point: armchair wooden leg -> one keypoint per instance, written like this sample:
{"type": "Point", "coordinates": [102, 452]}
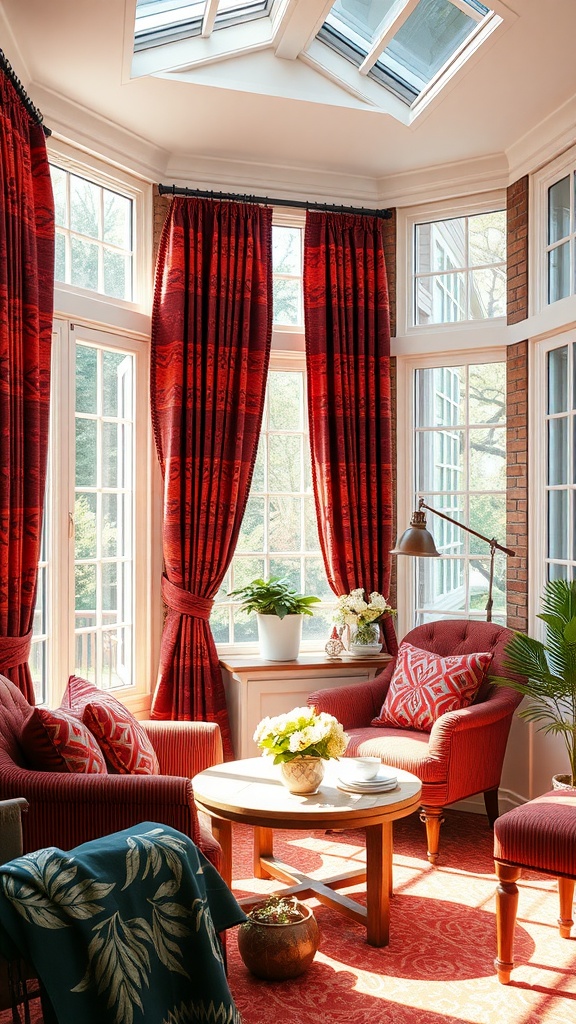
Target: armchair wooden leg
{"type": "Point", "coordinates": [491, 804]}
{"type": "Point", "coordinates": [506, 909]}
{"type": "Point", "coordinates": [432, 818]}
{"type": "Point", "coordinates": [566, 894]}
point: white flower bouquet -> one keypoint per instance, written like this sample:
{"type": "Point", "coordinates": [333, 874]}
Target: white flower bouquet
{"type": "Point", "coordinates": [303, 732]}
{"type": "Point", "coordinates": [360, 613]}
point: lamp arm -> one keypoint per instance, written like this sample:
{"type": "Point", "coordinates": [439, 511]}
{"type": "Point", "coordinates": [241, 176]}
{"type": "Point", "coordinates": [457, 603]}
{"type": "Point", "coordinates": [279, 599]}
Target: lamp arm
{"type": "Point", "coordinates": [493, 543]}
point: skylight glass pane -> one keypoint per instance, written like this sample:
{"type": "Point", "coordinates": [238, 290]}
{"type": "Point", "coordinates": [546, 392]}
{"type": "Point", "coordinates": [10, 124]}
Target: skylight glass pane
{"type": "Point", "coordinates": [360, 21]}
{"type": "Point", "coordinates": [427, 40]}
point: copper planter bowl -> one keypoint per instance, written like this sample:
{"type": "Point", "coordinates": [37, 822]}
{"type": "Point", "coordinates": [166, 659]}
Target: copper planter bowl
{"type": "Point", "coordinates": [277, 952]}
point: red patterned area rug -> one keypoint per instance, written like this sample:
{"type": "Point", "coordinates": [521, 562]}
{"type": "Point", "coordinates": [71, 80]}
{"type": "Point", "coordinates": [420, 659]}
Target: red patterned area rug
{"type": "Point", "coordinates": [438, 968]}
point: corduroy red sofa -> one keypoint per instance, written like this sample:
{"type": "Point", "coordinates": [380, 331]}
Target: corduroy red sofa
{"type": "Point", "coordinates": [69, 808]}
{"type": "Point", "coordinates": [463, 752]}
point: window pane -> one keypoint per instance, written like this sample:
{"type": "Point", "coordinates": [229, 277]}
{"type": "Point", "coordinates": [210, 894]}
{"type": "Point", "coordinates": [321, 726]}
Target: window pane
{"type": "Point", "coordinates": [441, 245]}
{"type": "Point", "coordinates": [487, 293]}
{"type": "Point", "coordinates": [287, 250]}
{"type": "Point", "coordinates": [251, 537]}
{"type": "Point", "coordinates": [559, 272]}
{"type": "Point", "coordinates": [86, 447]}
{"type": "Point", "coordinates": [558, 451]}
{"type": "Point", "coordinates": [60, 257]}
{"type": "Point", "coordinates": [287, 302]}
{"type": "Point", "coordinates": [487, 238]}
{"type": "Point", "coordinates": [117, 219]}
{"type": "Point", "coordinates": [116, 271]}
{"type": "Point", "coordinates": [285, 401]}
{"type": "Point", "coordinates": [488, 459]}
{"type": "Point", "coordinates": [86, 399]}
{"type": "Point", "coordinates": [285, 532]}
{"type": "Point", "coordinates": [428, 38]}
{"type": "Point", "coordinates": [559, 210]}
{"type": "Point", "coordinates": [59, 179]}
{"type": "Point", "coordinates": [487, 516]}
{"type": "Point", "coordinates": [285, 462]}
{"type": "Point", "coordinates": [558, 380]}
{"type": "Point", "coordinates": [84, 207]}
{"type": "Point", "coordinates": [558, 524]}
{"type": "Point", "coordinates": [84, 271]}
{"type": "Point", "coordinates": [487, 393]}
{"type": "Point", "coordinates": [362, 18]}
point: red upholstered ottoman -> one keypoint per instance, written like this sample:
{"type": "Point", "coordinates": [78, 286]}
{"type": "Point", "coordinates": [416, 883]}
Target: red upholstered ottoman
{"type": "Point", "coordinates": [540, 836]}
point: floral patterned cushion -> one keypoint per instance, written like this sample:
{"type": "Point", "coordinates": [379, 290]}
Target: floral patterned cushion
{"type": "Point", "coordinates": [54, 741]}
{"type": "Point", "coordinates": [425, 686]}
{"type": "Point", "coordinates": [123, 740]}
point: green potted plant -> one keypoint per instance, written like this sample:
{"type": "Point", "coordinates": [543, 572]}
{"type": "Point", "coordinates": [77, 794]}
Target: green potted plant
{"type": "Point", "coordinates": [279, 609]}
{"type": "Point", "coordinates": [550, 670]}
{"type": "Point", "coordinates": [279, 939]}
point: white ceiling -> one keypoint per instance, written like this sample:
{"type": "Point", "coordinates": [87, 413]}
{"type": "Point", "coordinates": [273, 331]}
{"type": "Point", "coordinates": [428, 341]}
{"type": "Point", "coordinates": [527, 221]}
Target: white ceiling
{"type": "Point", "coordinates": [517, 94]}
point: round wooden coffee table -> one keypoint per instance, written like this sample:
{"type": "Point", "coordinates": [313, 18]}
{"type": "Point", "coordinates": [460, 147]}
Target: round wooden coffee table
{"type": "Point", "coordinates": [250, 791]}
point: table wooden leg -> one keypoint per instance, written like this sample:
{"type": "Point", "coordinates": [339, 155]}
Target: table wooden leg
{"type": "Point", "coordinates": [378, 883]}
{"type": "Point", "coordinates": [222, 831]}
{"type": "Point", "coordinates": [263, 847]}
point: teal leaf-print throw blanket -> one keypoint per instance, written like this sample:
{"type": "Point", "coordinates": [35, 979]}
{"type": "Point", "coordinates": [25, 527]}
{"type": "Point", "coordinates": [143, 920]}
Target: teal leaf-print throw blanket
{"type": "Point", "coordinates": [123, 929]}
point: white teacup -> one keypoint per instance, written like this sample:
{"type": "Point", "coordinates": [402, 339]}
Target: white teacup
{"type": "Point", "coordinates": [362, 768]}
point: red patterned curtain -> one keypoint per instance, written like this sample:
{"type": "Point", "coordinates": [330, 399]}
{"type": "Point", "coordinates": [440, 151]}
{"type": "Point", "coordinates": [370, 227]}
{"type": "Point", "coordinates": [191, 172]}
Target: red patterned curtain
{"type": "Point", "coordinates": [26, 304]}
{"type": "Point", "coordinates": [348, 370]}
{"type": "Point", "coordinates": [211, 335]}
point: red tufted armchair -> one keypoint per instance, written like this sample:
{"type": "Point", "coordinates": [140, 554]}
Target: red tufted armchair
{"type": "Point", "coordinates": [464, 752]}
{"type": "Point", "coordinates": [66, 810]}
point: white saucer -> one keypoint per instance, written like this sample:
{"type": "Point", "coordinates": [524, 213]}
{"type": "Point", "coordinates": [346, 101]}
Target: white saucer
{"type": "Point", "coordinates": [382, 781]}
{"type": "Point", "coordinates": [363, 787]}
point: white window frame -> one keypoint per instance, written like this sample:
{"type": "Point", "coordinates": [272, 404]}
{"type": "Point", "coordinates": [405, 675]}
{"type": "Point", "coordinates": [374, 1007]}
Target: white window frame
{"type": "Point", "coordinates": [110, 321]}
{"type": "Point", "coordinates": [61, 660]}
{"type": "Point", "coordinates": [537, 466]}
{"type": "Point", "coordinates": [406, 475]}
{"type": "Point", "coordinates": [541, 181]}
{"type": "Point", "coordinates": [482, 332]}
{"type": "Point", "coordinates": [140, 192]}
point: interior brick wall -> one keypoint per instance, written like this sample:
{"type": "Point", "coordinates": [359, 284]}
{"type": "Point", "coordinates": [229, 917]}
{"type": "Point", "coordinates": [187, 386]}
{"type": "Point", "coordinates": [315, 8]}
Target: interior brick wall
{"type": "Point", "coordinates": [517, 249]}
{"type": "Point", "coordinates": [517, 484]}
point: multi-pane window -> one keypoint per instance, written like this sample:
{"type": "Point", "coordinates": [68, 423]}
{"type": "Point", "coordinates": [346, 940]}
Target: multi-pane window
{"type": "Point", "coordinates": [104, 515]}
{"type": "Point", "coordinates": [460, 469]}
{"type": "Point", "coordinates": [287, 275]}
{"type": "Point", "coordinates": [560, 483]}
{"type": "Point", "coordinates": [94, 235]}
{"type": "Point", "coordinates": [460, 269]}
{"type": "Point", "coordinates": [561, 238]}
{"type": "Point", "coordinates": [279, 535]}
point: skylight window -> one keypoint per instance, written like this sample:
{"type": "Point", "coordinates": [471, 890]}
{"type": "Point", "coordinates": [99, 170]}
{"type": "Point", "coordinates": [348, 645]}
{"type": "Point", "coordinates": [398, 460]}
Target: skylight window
{"type": "Point", "coordinates": [389, 55]}
{"type": "Point", "coordinates": [161, 21]}
{"type": "Point", "coordinates": [404, 44]}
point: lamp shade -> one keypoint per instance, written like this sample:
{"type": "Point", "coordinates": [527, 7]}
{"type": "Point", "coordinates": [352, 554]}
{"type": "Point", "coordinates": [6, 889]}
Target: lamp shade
{"type": "Point", "coordinates": [416, 540]}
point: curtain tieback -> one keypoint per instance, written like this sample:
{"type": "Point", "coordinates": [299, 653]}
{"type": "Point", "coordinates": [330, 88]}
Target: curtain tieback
{"type": "Point", "coordinates": [182, 601]}
{"type": "Point", "coordinates": [15, 650]}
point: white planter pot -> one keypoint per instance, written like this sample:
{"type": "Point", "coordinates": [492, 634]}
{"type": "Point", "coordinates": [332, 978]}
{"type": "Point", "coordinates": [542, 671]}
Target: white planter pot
{"type": "Point", "coordinates": [279, 638]}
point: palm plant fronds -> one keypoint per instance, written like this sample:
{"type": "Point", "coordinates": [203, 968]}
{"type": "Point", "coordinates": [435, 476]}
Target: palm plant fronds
{"type": "Point", "coordinates": [545, 673]}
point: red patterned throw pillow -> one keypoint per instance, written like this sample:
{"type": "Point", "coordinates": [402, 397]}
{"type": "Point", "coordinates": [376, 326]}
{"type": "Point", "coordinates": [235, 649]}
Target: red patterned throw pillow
{"type": "Point", "coordinates": [425, 686]}
{"type": "Point", "coordinates": [122, 739]}
{"type": "Point", "coordinates": [54, 741]}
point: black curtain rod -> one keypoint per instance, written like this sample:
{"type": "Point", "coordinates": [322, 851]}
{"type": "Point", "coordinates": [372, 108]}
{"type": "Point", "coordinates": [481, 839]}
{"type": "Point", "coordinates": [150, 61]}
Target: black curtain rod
{"type": "Point", "coordinates": [35, 114]}
{"type": "Point", "coordinates": [177, 190]}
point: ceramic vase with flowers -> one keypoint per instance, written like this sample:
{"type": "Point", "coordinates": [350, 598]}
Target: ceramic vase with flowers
{"type": "Point", "coordinates": [360, 615]}
{"type": "Point", "coordinates": [300, 741]}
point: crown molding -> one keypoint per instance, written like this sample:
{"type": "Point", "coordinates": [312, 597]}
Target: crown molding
{"type": "Point", "coordinates": [545, 141]}
{"type": "Point", "coordinates": [283, 182]}
{"type": "Point", "coordinates": [99, 136]}
{"type": "Point", "coordinates": [444, 181]}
